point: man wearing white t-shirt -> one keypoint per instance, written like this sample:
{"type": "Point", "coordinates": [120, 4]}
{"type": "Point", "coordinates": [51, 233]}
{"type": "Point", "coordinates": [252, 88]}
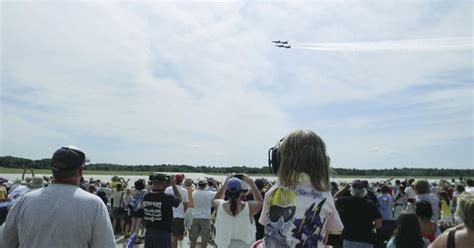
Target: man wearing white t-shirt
{"type": "Point", "coordinates": [179, 212]}
{"type": "Point", "coordinates": [410, 197]}
{"type": "Point", "coordinates": [202, 212]}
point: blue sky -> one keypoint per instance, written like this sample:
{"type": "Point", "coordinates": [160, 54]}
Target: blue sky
{"type": "Point", "coordinates": [201, 83]}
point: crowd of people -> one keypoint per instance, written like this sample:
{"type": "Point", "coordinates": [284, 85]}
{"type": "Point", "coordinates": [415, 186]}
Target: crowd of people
{"type": "Point", "coordinates": [302, 208]}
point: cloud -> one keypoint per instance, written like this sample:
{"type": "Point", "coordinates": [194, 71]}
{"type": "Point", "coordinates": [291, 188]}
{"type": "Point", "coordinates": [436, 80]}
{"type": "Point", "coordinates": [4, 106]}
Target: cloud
{"type": "Point", "coordinates": [201, 83]}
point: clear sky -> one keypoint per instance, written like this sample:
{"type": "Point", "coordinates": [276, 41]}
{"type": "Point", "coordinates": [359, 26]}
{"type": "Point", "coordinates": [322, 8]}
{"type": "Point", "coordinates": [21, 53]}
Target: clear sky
{"type": "Point", "coordinates": [202, 84]}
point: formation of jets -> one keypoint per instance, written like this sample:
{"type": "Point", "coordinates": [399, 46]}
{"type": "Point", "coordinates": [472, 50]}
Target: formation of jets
{"type": "Point", "coordinates": [281, 44]}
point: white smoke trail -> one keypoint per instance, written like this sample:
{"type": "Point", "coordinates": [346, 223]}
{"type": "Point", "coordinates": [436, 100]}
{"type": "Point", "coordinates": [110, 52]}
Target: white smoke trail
{"type": "Point", "coordinates": [458, 43]}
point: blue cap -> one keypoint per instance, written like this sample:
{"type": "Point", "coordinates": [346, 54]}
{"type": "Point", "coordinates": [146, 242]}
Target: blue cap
{"type": "Point", "coordinates": [234, 185]}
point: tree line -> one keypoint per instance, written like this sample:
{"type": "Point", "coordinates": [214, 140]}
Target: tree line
{"type": "Point", "coordinates": [15, 162]}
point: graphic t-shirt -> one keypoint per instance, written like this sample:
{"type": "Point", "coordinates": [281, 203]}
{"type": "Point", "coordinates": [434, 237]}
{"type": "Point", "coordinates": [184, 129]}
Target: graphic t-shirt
{"type": "Point", "coordinates": [158, 210]}
{"type": "Point", "coordinates": [178, 212]}
{"type": "Point", "coordinates": [299, 217]}
{"type": "Point", "coordinates": [384, 205]}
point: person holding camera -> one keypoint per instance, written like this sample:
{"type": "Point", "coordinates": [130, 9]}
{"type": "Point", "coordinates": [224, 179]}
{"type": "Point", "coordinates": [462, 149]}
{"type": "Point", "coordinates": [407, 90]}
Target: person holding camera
{"type": "Point", "coordinates": [235, 225]}
{"type": "Point", "coordinates": [158, 211]}
{"type": "Point", "coordinates": [179, 212]}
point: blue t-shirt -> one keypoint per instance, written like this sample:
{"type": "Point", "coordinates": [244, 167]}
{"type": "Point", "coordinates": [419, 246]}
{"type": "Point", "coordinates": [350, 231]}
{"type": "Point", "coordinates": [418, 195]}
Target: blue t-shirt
{"type": "Point", "coordinates": [384, 205]}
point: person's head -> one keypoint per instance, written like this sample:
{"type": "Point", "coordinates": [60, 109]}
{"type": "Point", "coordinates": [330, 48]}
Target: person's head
{"type": "Point", "coordinates": [302, 151]}
{"type": "Point", "coordinates": [410, 181]}
{"type": "Point", "coordinates": [139, 184]}
{"type": "Point", "coordinates": [466, 210]}
{"type": "Point", "coordinates": [202, 183]}
{"type": "Point", "coordinates": [385, 189]}
{"type": "Point", "coordinates": [397, 182]}
{"type": "Point", "coordinates": [92, 188]}
{"type": "Point", "coordinates": [423, 210]}
{"type": "Point", "coordinates": [67, 165]}
{"type": "Point", "coordinates": [358, 189]}
{"type": "Point", "coordinates": [179, 178]}
{"type": "Point", "coordinates": [408, 232]}
{"type": "Point", "coordinates": [159, 182]}
{"type": "Point", "coordinates": [233, 191]}
{"type": "Point", "coordinates": [421, 187]}
{"type": "Point", "coordinates": [118, 186]}
{"type": "Point", "coordinates": [460, 188]}
{"type": "Point", "coordinates": [188, 182]}
{"type": "Point", "coordinates": [470, 182]}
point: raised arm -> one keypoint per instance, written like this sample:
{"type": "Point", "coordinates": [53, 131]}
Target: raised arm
{"type": "Point", "coordinates": [221, 192]}
{"type": "Point", "coordinates": [257, 203]}
{"type": "Point", "coordinates": [176, 192]}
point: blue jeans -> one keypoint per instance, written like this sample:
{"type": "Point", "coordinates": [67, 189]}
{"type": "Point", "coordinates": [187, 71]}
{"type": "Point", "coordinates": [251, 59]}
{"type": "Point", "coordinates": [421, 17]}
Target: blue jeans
{"type": "Point", "coordinates": [157, 239]}
{"type": "Point", "coordinates": [356, 244]}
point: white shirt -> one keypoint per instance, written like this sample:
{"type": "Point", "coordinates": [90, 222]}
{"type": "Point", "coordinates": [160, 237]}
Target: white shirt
{"type": "Point", "coordinates": [179, 211]}
{"type": "Point", "coordinates": [202, 203]}
{"type": "Point", "coordinates": [410, 193]}
{"type": "Point", "coordinates": [59, 215]}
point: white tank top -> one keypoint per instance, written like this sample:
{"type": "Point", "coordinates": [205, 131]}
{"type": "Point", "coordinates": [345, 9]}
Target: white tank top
{"type": "Point", "coordinates": [237, 228]}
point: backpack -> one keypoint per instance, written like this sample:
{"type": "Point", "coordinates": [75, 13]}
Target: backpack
{"type": "Point", "coordinates": [136, 201]}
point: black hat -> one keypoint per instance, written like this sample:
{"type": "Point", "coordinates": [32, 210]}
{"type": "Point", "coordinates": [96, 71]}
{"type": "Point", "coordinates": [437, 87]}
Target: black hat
{"type": "Point", "coordinates": [159, 178]}
{"type": "Point", "coordinates": [358, 184]}
{"type": "Point", "coordinates": [66, 160]}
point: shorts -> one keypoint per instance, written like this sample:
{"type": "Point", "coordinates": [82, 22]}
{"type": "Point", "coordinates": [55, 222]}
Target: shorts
{"type": "Point", "coordinates": [157, 239]}
{"type": "Point", "coordinates": [117, 213]}
{"type": "Point", "coordinates": [138, 214]}
{"type": "Point", "coordinates": [200, 227]}
{"type": "Point", "coordinates": [178, 227]}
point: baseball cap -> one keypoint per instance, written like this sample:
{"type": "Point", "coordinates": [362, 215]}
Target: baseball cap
{"type": "Point", "coordinates": [357, 184]}
{"type": "Point", "coordinates": [202, 181]}
{"type": "Point", "coordinates": [179, 178]}
{"type": "Point", "coordinates": [66, 160]}
{"type": "Point", "coordinates": [188, 182]}
{"type": "Point", "coordinates": [159, 178]}
{"type": "Point", "coordinates": [234, 185]}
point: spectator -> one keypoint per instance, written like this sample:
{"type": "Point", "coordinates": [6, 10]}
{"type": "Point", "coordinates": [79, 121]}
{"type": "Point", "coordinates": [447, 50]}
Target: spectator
{"type": "Point", "coordinates": [461, 235]}
{"type": "Point", "coordinates": [118, 208]}
{"type": "Point", "coordinates": [459, 190]}
{"type": "Point", "coordinates": [470, 186]}
{"type": "Point", "coordinates": [302, 193]}
{"type": "Point", "coordinates": [358, 215]}
{"type": "Point", "coordinates": [260, 229]}
{"type": "Point", "coordinates": [399, 199]}
{"type": "Point", "coordinates": [135, 211]}
{"type": "Point", "coordinates": [62, 214]}
{"type": "Point", "coordinates": [446, 214]}
{"type": "Point", "coordinates": [410, 197]}
{"type": "Point", "coordinates": [188, 218]}
{"type": "Point", "coordinates": [201, 225]}
{"type": "Point", "coordinates": [429, 229]}
{"type": "Point", "coordinates": [408, 233]}
{"type": "Point", "coordinates": [127, 217]}
{"type": "Point", "coordinates": [234, 218]}
{"type": "Point", "coordinates": [158, 212]}
{"type": "Point", "coordinates": [179, 212]}
{"type": "Point", "coordinates": [385, 203]}
{"type": "Point", "coordinates": [423, 192]}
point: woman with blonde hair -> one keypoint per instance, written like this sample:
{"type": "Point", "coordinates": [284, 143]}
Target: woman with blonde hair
{"type": "Point", "coordinates": [299, 209]}
{"type": "Point", "coordinates": [461, 235]}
